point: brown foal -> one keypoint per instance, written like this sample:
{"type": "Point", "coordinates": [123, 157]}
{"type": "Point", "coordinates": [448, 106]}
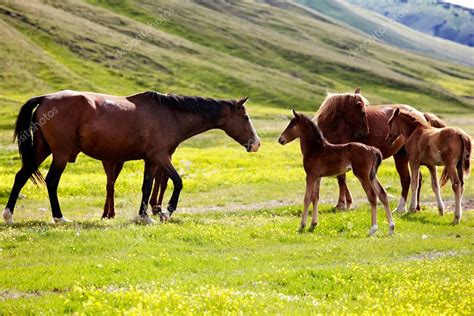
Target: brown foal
{"type": "Point", "coordinates": [323, 159]}
{"type": "Point", "coordinates": [431, 147]}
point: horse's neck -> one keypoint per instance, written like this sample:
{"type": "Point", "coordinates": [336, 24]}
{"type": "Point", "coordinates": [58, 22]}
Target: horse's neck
{"type": "Point", "coordinates": [190, 124]}
{"type": "Point", "coordinates": [308, 144]}
{"type": "Point", "coordinates": [408, 127]}
{"type": "Point", "coordinates": [336, 131]}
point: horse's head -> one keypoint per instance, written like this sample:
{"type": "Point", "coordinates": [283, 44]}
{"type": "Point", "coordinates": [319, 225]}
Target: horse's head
{"type": "Point", "coordinates": [394, 128]}
{"type": "Point", "coordinates": [292, 131]}
{"type": "Point", "coordinates": [237, 124]}
{"type": "Point", "coordinates": [354, 114]}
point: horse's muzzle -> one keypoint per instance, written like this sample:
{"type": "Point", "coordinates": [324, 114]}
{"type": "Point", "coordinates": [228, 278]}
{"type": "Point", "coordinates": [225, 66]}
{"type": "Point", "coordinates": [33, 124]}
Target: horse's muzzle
{"type": "Point", "coordinates": [282, 140]}
{"type": "Point", "coordinates": [253, 145]}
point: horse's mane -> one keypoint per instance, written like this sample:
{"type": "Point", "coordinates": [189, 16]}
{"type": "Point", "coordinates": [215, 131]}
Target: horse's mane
{"type": "Point", "coordinates": [334, 103]}
{"type": "Point", "coordinates": [413, 118]}
{"type": "Point", "coordinates": [316, 134]}
{"type": "Point", "coordinates": [206, 107]}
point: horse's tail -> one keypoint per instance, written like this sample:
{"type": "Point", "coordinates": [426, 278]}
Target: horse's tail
{"type": "Point", "coordinates": [464, 165]}
{"type": "Point", "coordinates": [466, 155]}
{"type": "Point", "coordinates": [24, 135]}
{"type": "Point", "coordinates": [434, 120]}
{"type": "Point", "coordinates": [377, 162]}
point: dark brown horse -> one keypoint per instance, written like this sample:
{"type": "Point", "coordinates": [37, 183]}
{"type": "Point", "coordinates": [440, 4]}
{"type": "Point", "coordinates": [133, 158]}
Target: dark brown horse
{"type": "Point", "coordinates": [431, 147]}
{"type": "Point", "coordinates": [346, 117]}
{"type": "Point", "coordinates": [144, 126]}
{"type": "Point", "coordinates": [323, 159]}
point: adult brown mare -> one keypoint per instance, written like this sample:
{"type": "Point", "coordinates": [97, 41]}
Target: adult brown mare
{"type": "Point", "coordinates": [431, 147]}
{"type": "Point", "coordinates": [346, 117]}
{"type": "Point", "coordinates": [144, 126]}
{"type": "Point", "coordinates": [323, 159]}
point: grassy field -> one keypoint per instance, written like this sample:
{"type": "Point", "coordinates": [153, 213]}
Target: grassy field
{"type": "Point", "coordinates": [232, 246]}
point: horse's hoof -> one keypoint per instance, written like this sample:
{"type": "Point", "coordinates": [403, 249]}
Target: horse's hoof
{"type": "Point", "coordinates": [145, 219]}
{"type": "Point", "coordinates": [373, 230]}
{"type": "Point", "coordinates": [441, 211]}
{"type": "Point", "coordinates": [456, 221]}
{"type": "Point", "coordinates": [301, 229]}
{"type": "Point", "coordinates": [312, 227]}
{"type": "Point", "coordinates": [61, 220]}
{"type": "Point", "coordinates": [156, 210]}
{"type": "Point", "coordinates": [8, 216]}
{"type": "Point", "coordinates": [391, 229]}
{"type": "Point", "coordinates": [341, 206]}
{"type": "Point", "coordinates": [165, 216]}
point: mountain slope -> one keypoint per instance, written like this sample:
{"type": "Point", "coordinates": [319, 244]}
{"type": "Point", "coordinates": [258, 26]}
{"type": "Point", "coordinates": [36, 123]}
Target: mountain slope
{"type": "Point", "coordinates": [274, 51]}
{"type": "Point", "coordinates": [394, 34]}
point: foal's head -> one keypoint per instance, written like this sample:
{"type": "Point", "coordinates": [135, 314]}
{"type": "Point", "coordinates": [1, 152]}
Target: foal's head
{"type": "Point", "coordinates": [403, 122]}
{"type": "Point", "coordinates": [347, 109]}
{"type": "Point", "coordinates": [235, 122]}
{"type": "Point", "coordinates": [302, 127]}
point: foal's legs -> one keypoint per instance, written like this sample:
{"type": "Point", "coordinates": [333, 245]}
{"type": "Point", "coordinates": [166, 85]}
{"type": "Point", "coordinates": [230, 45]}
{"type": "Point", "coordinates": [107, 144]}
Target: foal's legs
{"type": "Point", "coordinates": [382, 195]}
{"type": "Point", "coordinates": [307, 200]}
{"type": "Point", "coordinates": [149, 174]}
{"type": "Point", "coordinates": [415, 171]}
{"type": "Point", "coordinates": [154, 195]}
{"type": "Point", "coordinates": [341, 181]}
{"type": "Point", "coordinates": [52, 181]}
{"type": "Point", "coordinates": [435, 187]}
{"type": "Point", "coordinates": [372, 197]}
{"type": "Point", "coordinates": [112, 169]}
{"type": "Point", "coordinates": [315, 200]}
{"type": "Point", "coordinates": [458, 191]}
{"type": "Point", "coordinates": [401, 164]}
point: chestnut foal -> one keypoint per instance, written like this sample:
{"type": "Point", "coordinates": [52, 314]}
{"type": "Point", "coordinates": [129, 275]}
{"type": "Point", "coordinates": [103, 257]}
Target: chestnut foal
{"type": "Point", "coordinates": [425, 145]}
{"type": "Point", "coordinates": [323, 159]}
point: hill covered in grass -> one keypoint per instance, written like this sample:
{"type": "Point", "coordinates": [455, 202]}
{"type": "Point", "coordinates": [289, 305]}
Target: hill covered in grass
{"type": "Point", "coordinates": [281, 54]}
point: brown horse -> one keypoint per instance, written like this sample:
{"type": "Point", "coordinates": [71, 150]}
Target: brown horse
{"type": "Point", "coordinates": [431, 147]}
{"type": "Point", "coordinates": [113, 169]}
{"type": "Point", "coordinates": [323, 159]}
{"type": "Point", "coordinates": [144, 126]}
{"type": "Point", "coordinates": [346, 117]}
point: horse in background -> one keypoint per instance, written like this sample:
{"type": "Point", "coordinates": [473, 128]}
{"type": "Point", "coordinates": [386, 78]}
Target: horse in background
{"type": "Point", "coordinates": [431, 147]}
{"type": "Point", "coordinates": [347, 117]}
{"type": "Point", "coordinates": [323, 159]}
{"type": "Point", "coordinates": [146, 126]}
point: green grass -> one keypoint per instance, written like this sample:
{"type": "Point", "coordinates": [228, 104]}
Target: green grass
{"type": "Point", "coordinates": [233, 245]}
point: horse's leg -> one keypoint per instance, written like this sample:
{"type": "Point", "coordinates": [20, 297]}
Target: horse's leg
{"type": "Point", "coordinates": [42, 151]}
{"type": "Point", "coordinates": [348, 195]}
{"type": "Point", "coordinates": [435, 187]}
{"type": "Point", "coordinates": [415, 171]}
{"type": "Point", "coordinates": [52, 181]}
{"type": "Point", "coordinates": [170, 171]}
{"type": "Point", "coordinates": [371, 196]}
{"type": "Point", "coordinates": [341, 181]}
{"type": "Point", "coordinates": [418, 192]}
{"type": "Point", "coordinates": [155, 207]}
{"type": "Point", "coordinates": [457, 189]}
{"type": "Point", "coordinates": [112, 169]}
{"type": "Point", "coordinates": [148, 175]}
{"type": "Point", "coordinates": [401, 164]}
{"type": "Point", "coordinates": [382, 195]}
{"type": "Point", "coordinates": [307, 200]}
{"type": "Point", "coordinates": [315, 199]}
{"type": "Point", "coordinates": [163, 186]}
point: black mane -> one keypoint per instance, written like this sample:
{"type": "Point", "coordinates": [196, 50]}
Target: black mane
{"type": "Point", "coordinates": [317, 135]}
{"type": "Point", "coordinates": [208, 108]}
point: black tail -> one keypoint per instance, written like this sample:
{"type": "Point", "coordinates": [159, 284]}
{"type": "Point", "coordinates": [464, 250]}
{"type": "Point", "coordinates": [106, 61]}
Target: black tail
{"type": "Point", "coordinates": [24, 135]}
{"type": "Point", "coordinates": [377, 162]}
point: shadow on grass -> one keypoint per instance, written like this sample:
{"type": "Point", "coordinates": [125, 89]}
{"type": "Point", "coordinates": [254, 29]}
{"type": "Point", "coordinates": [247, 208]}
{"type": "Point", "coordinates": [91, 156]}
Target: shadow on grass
{"type": "Point", "coordinates": [418, 217]}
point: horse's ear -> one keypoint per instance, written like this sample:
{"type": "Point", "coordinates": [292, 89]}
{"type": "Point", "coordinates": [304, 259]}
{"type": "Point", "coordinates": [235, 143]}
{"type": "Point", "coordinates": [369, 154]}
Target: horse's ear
{"type": "Point", "coordinates": [357, 91]}
{"type": "Point", "coordinates": [397, 111]}
{"type": "Point", "coordinates": [241, 101]}
{"type": "Point", "coordinates": [296, 115]}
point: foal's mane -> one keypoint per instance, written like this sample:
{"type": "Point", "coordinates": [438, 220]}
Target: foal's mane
{"type": "Point", "coordinates": [316, 134]}
{"type": "Point", "coordinates": [413, 118]}
{"type": "Point", "coordinates": [334, 103]}
{"type": "Point", "coordinates": [206, 107]}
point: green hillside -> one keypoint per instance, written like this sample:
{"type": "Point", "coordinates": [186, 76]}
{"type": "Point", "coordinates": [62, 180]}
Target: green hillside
{"type": "Point", "coordinates": [278, 53]}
